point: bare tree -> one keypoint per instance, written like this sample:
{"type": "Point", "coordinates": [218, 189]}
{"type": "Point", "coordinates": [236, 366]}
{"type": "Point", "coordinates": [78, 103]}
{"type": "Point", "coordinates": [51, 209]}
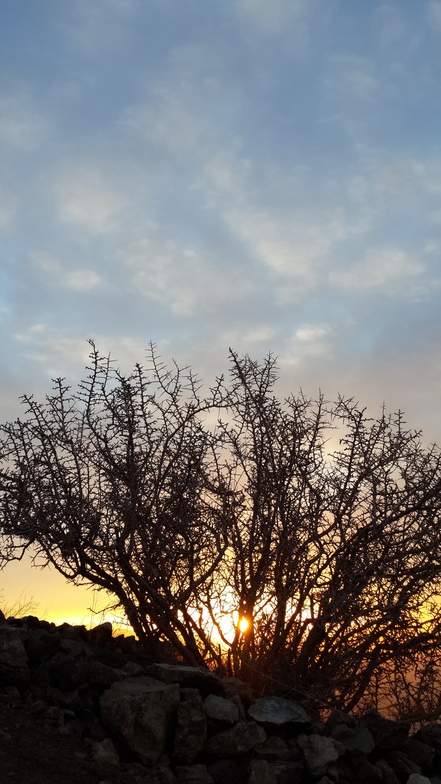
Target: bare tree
{"type": "Point", "coordinates": [187, 507]}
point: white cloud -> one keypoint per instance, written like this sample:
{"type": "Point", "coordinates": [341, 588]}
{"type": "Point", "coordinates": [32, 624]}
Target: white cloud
{"type": "Point", "coordinates": [351, 78]}
{"type": "Point", "coordinates": [382, 267]}
{"type": "Point", "coordinates": [76, 279]}
{"type": "Point", "coordinates": [434, 14]}
{"type": "Point", "coordinates": [390, 22]}
{"type": "Point", "coordinates": [21, 125]}
{"type": "Point", "coordinates": [274, 17]}
{"type": "Point", "coordinates": [87, 198]}
{"type": "Point", "coordinates": [182, 278]}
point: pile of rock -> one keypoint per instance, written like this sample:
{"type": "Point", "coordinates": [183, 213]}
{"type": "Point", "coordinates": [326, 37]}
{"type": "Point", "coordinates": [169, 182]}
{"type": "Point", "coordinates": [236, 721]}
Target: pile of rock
{"type": "Point", "coordinates": [168, 724]}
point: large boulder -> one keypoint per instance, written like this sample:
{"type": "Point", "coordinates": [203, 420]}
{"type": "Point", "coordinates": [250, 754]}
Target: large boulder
{"type": "Point", "coordinates": [139, 712]}
{"type": "Point", "coordinates": [187, 677]}
{"type": "Point", "coordinates": [221, 710]}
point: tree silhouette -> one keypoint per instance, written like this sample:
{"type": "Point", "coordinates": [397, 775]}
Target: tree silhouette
{"type": "Point", "coordinates": [188, 506]}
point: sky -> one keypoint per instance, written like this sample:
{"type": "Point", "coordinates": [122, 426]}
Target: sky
{"type": "Point", "coordinates": [258, 175]}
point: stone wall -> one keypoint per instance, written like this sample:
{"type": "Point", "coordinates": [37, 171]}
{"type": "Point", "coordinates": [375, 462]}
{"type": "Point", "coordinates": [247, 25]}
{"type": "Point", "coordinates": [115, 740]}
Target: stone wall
{"type": "Point", "coordinates": [174, 724]}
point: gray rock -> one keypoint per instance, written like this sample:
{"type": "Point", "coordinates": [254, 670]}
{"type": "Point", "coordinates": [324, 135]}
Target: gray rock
{"type": "Point", "coordinates": [226, 771]}
{"type": "Point", "coordinates": [139, 711]}
{"type": "Point", "coordinates": [191, 729]}
{"type": "Point", "coordinates": [220, 709]}
{"type": "Point", "coordinates": [101, 635]}
{"type": "Point", "coordinates": [386, 733]}
{"type": "Point", "coordinates": [288, 772]}
{"type": "Point", "coordinates": [234, 686]}
{"type": "Point", "coordinates": [277, 710]}
{"type": "Point", "coordinates": [104, 753]}
{"type": "Point", "coordinates": [41, 645]}
{"type": "Point", "coordinates": [241, 738]}
{"type": "Point", "coordinates": [69, 670]}
{"type": "Point", "coordinates": [416, 778]}
{"type": "Point", "coordinates": [361, 740]}
{"type": "Point", "coordinates": [401, 764]}
{"type": "Point", "coordinates": [419, 752]}
{"type": "Point", "coordinates": [369, 774]}
{"type": "Point", "coordinates": [273, 748]}
{"type": "Point", "coordinates": [319, 751]}
{"type": "Point", "coordinates": [193, 774]}
{"type": "Point", "coordinates": [104, 675]}
{"type": "Point", "coordinates": [200, 678]}
{"type": "Point", "coordinates": [14, 669]}
{"type": "Point", "coordinates": [261, 772]}
{"type": "Point", "coordinates": [388, 774]}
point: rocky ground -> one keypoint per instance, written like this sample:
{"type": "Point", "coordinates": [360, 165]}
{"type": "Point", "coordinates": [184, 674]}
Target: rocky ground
{"type": "Point", "coordinates": [81, 707]}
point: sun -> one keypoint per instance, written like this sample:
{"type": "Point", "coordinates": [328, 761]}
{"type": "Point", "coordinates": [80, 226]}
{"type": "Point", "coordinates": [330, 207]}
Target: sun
{"type": "Point", "coordinates": [243, 625]}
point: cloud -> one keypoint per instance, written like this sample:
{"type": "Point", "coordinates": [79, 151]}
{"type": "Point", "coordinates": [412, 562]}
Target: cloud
{"type": "Point", "coordinates": [22, 127]}
{"type": "Point", "coordinates": [182, 278]}
{"type": "Point", "coordinates": [82, 280]}
{"type": "Point", "coordinates": [272, 18]}
{"type": "Point", "coordinates": [434, 14]}
{"type": "Point", "coordinates": [88, 199]}
{"type": "Point", "coordinates": [390, 24]}
{"type": "Point", "coordinates": [381, 268]}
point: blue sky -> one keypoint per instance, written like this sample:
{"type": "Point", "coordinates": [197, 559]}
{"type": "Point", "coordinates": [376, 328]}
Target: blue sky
{"type": "Point", "coordinates": [259, 175]}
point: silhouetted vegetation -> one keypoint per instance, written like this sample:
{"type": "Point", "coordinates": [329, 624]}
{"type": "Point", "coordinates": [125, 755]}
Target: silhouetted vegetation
{"type": "Point", "coordinates": [186, 505]}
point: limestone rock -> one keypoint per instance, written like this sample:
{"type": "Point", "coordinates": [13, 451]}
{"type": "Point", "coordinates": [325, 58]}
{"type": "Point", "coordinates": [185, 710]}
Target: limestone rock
{"type": "Point", "coordinates": [419, 752]}
{"type": "Point", "coordinates": [191, 729]}
{"type": "Point", "coordinates": [220, 709]}
{"type": "Point", "coordinates": [241, 738]}
{"type": "Point", "coordinates": [277, 710]}
{"type": "Point", "coordinates": [416, 778]}
{"type": "Point", "coordinates": [319, 751]}
{"type": "Point", "coordinates": [234, 686]}
{"type": "Point", "coordinates": [41, 645]}
{"type": "Point", "coordinates": [388, 774]}
{"type": "Point", "coordinates": [139, 711]}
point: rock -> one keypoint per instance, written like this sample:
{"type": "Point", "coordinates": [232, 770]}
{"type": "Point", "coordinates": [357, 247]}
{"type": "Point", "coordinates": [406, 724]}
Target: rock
{"type": "Point", "coordinates": [277, 710]}
{"type": "Point", "coordinates": [319, 752]}
{"type": "Point", "coordinates": [104, 675]}
{"type": "Point", "coordinates": [100, 635]}
{"type": "Point", "coordinates": [41, 645]}
{"type": "Point", "coordinates": [388, 774]}
{"type": "Point", "coordinates": [139, 710]}
{"type": "Point", "coordinates": [261, 772]}
{"type": "Point", "coordinates": [193, 774]}
{"type": "Point", "coordinates": [226, 771]}
{"type": "Point", "coordinates": [430, 734]}
{"type": "Point", "coordinates": [416, 778]}
{"type": "Point", "coordinates": [234, 686]}
{"type": "Point", "coordinates": [360, 740]}
{"type": "Point", "coordinates": [401, 764]}
{"type": "Point", "coordinates": [133, 669]}
{"type": "Point", "coordinates": [69, 670]}
{"type": "Point", "coordinates": [289, 772]}
{"type": "Point", "coordinates": [220, 709]}
{"type": "Point", "coordinates": [241, 738]}
{"type": "Point", "coordinates": [104, 753]}
{"type": "Point", "coordinates": [369, 774]}
{"type": "Point", "coordinates": [419, 752]}
{"type": "Point", "coordinates": [191, 729]}
{"type": "Point", "coordinates": [273, 748]}
{"type": "Point", "coordinates": [387, 734]}
{"type": "Point", "coordinates": [14, 669]}
{"type": "Point", "coordinates": [198, 677]}
{"type": "Point", "coordinates": [338, 717]}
